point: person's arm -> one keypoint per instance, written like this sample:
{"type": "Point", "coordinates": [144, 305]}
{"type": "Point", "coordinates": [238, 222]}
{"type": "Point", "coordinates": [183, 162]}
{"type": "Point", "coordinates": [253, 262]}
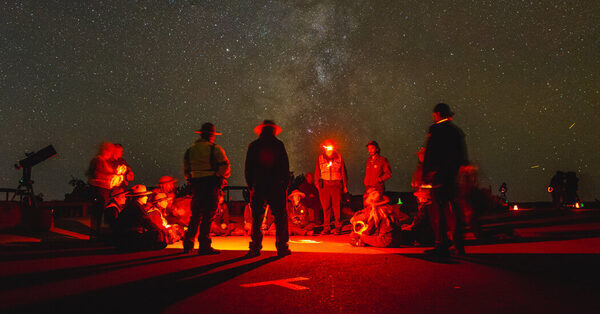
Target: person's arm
{"type": "Point", "coordinates": [187, 171]}
{"type": "Point", "coordinates": [344, 176]}
{"type": "Point", "coordinates": [317, 175]}
{"type": "Point", "coordinates": [223, 166]}
{"type": "Point", "coordinates": [249, 167]}
{"type": "Point", "coordinates": [285, 166]}
{"type": "Point", "coordinates": [387, 171]}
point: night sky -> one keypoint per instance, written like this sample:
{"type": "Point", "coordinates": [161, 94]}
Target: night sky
{"type": "Point", "coordinates": [523, 78]}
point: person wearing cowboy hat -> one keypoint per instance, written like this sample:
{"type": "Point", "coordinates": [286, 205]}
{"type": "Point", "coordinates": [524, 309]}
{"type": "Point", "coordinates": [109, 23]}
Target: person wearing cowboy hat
{"type": "Point", "coordinates": [267, 172]}
{"type": "Point", "coordinates": [445, 152]}
{"type": "Point", "coordinates": [167, 185]}
{"type": "Point", "coordinates": [301, 219]}
{"type": "Point", "coordinates": [377, 168]}
{"type": "Point", "coordinates": [332, 178]}
{"type": "Point", "coordinates": [114, 207]}
{"type": "Point", "coordinates": [206, 167]}
{"type": "Point", "coordinates": [378, 224]}
{"type": "Point", "coordinates": [136, 231]}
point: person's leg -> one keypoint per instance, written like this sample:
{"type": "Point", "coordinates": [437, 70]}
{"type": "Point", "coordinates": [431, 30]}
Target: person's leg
{"type": "Point", "coordinates": [336, 205]}
{"type": "Point", "coordinates": [190, 235]}
{"type": "Point", "coordinates": [258, 212]}
{"type": "Point", "coordinates": [325, 196]}
{"type": "Point", "coordinates": [209, 204]}
{"type": "Point", "coordinates": [277, 203]}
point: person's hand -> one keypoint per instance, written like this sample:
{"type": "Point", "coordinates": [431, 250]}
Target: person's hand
{"type": "Point", "coordinates": [345, 189]}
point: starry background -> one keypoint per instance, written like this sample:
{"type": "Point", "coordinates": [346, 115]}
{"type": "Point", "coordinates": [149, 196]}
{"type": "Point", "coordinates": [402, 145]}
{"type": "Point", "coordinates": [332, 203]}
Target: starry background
{"type": "Point", "coordinates": [523, 78]}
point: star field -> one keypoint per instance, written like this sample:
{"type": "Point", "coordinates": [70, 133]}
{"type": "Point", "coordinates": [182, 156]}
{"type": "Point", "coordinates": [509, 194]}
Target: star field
{"type": "Point", "coordinates": [523, 78]}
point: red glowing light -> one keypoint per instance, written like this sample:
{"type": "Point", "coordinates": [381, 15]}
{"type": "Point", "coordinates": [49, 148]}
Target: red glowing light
{"type": "Point", "coordinates": [328, 147]}
{"type": "Point", "coordinates": [515, 207]}
{"type": "Point", "coordinates": [550, 189]}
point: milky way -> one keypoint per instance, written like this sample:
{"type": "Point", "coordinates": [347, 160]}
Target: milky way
{"type": "Point", "coordinates": [521, 76]}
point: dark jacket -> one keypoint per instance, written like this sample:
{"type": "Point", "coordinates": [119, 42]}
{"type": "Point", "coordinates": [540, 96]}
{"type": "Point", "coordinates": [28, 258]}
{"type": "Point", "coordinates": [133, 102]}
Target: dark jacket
{"type": "Point", "coordinates": [445, 152]}
{"type": "Point", "coordinates": [267, 164]}
{"type": "Point", "coordinates": [134, 219]}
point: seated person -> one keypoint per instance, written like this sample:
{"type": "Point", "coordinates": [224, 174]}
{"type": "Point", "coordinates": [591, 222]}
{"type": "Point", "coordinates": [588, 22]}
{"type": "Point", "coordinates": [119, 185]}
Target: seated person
{"type": "Point", "coordinates": [174, 232]}
{"type": "Point", "coordinates": [221, 225]}
{"type": "Point", "coordinates": [180, 212]}
{"type": "Point", "coordinates": [135, 229]}
{"type": "Point", "coordinates": [114, 207]}
{"type": "Point", "coordinates": [378, 224]}
{"type": "Point", "coordinates": [167, 185]}
{"type": "Point", "coordinates": [301, 219]}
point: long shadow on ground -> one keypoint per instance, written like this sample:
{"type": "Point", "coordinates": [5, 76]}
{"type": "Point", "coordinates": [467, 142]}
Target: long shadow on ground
{"type": "Point", "coordinates": [148, 295]}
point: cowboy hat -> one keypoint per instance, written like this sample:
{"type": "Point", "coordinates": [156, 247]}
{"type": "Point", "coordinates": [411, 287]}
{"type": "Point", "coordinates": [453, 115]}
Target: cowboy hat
{"type": "Point", "coordinates": [208, 128]}
{"type": "Point", "coordinates": [267, 123]}
{"type": "Point", "coordinates": [138, 191]}
{"type": "Point", "coordinates": [295, 192]}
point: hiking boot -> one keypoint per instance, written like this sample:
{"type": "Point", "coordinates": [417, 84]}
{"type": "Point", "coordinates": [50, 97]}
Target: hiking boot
{"type": "Point", "coordinates": [208, 251]}
{"type": "Point", "coordinates": [283, 252]}
{"type": "Point", "coordinates": [253, 253]}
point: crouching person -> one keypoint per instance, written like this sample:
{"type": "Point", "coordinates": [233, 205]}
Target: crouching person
{"type": "Point", "coordinates": [135, 229]}
{"type": "Point", "coordinates": [301, 219]}
{"type": "Point", "coordinates": [378, 224]}
{"type": "Point", "coordinates": [156, 212]}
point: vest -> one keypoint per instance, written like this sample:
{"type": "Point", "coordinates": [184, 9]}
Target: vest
{"type": "Point", "coordinates": [331, 169]}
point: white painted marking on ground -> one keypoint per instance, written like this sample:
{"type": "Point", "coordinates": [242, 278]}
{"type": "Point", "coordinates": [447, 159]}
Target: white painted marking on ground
{"type": "Point", "coordinates": [281, 282]}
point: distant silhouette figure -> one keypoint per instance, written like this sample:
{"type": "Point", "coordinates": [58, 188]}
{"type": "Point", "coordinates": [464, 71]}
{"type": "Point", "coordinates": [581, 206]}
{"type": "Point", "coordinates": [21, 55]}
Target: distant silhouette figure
{"type": "Point", "coordinates": [445, 152]}
{"type": "Point", "coordinates": [377, 168]}
{"type": "Point", "coordinates": [267, 174]}
{"type": "Point", "coordinates": [557, 189]}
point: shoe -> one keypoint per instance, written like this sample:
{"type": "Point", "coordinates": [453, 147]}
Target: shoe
{"type": "Point", "coordinates": [326, 231]}
{"type": "Point", "coordinates": [284, 252]}
{"type": "Point", "coordinates": [310, 233]}
{"type": "Point", "coordinates": [253, 253]}
{"type": "Point", "coordinates": [187, 248]}
{"type": "Point", "coordinates": [438, 252]}
{"type": "Point", "coordinates": [337, 231]}
{"type": "Point", "coordinates": [457, 251]}
{"type": "Point", "coordinates": [208, 251]}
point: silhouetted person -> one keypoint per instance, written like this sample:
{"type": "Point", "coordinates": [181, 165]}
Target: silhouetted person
{"type": "Point", "coordinates": [557, 189]}
{"type": "Point", "coordinates": [206, 167]}
{"type": "Point", "coordinates": [311, 199]}
{"type": "Point", "coordinates": [377, 168]}
{"type": "Point", "coordinates": [445, 152]}
{"type": "Point", "coordinates": [135, 229]}
{"type": "Point", "coordinates": [571, 186]}
{"type": "Point", "coordinates": [267, 174]}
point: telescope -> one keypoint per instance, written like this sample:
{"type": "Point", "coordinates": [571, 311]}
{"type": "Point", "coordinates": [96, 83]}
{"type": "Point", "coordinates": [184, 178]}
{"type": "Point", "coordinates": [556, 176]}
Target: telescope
{"type": "Point", "coordinates": [35, 158]}
{"type": "Point", "coordinates": [25, 188]}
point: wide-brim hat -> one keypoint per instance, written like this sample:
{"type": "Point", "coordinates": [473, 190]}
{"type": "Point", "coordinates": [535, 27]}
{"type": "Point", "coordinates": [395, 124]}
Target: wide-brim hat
{"type": "Point", "coordinates": [166, 179]}
{"type": "Point", "coordinates": [295, 192]}
{"type": "Point", "coordinates": [138, 191]}
{"type": "Point", "coordinates": [117, 192]}
{"type": "Point", "coordinates": [382, 200]}
{"type": "Point", "coordinates": [162, 197]}
{"type": "Point", "coordinates": [267, 123]}
{"type": "Point", "coordinates": [208, 128]}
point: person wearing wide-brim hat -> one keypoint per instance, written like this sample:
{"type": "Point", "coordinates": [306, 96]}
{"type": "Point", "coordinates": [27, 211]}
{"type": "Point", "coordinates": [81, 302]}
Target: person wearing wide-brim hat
{"type": "Point", "coordinates": [267, 123]}
{"type": "Point", "coordinates": [118, 197]}
{"type": "Point", "coordinates": [206, 167]}
{"type": "Point", "coordinates": [267, 173]}
{"type": "Point", "coordinates": [301, 219]}
{"type": "Point", "coordinates": [135, 228]}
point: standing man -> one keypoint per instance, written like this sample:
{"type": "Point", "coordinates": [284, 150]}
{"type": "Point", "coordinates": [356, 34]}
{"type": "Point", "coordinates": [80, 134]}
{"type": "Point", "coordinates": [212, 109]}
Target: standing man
{"type": "Point", "coordinates": [445, 152]}
{"type": "Point", "coordinates": [206, 167]}
{"type": "Point", "coordinates": [267, 175]}
{"type": "Point", "coordinates": [331, 175]}
{"type": "Point", "coordinates": [378, 168]}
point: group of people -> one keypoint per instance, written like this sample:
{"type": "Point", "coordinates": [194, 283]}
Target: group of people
{"type": "Point", "coordinates": [152, 219]}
